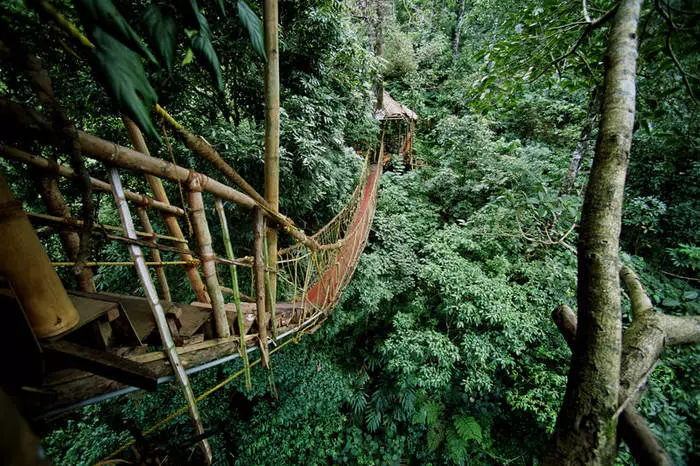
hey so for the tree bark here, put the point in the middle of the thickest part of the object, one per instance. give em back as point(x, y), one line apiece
point(632, 427)
point(583, 141)
point(56, 205)
point(379, 50)
point(585, 431)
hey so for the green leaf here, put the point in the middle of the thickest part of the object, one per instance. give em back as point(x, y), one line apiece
point(159, 22)
point(202, 46)
point(221, 7)
point(254, 26)
point(189, 56)
point(468, 428)
point(103, 14)
point(204, 51)
point(121, 72)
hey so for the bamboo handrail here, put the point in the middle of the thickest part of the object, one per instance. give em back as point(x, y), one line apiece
point(207, 256)
point(157, 308)
point(102, 226)
point(126, 263)
point(155, 253)
point(51, 166)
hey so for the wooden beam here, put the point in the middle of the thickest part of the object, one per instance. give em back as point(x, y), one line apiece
point(68, 354)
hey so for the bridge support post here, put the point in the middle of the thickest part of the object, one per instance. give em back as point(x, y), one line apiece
point(272, 138)
point(259, 273)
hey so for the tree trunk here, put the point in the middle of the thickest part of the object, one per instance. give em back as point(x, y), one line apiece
point(632, 428)
point(379, 51)
point(583, 141)
point(585, 431)
point(56, 206)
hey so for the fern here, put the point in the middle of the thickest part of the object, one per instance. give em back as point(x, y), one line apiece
point(468, 428)
point(435, 436)
point(456, 446)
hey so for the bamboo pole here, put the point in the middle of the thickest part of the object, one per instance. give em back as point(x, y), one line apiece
point(171, 223)
point(259, 274)
point(25, 263)
point(158, 312)
point(101, 227)
point(53, 167)
point(236, 292)
point(56, 205)
point(207, 256)
point(270, 300)
point(124, 157)
point(155, 254)
point(272, 139)
point(125, 263)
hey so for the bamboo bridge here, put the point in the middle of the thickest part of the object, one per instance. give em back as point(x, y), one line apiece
point(69, 348)
point(82, 346)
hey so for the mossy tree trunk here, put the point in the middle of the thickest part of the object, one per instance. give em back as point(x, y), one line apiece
point(586, 426)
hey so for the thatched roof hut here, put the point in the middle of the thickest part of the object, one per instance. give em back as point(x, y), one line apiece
point(394, 110)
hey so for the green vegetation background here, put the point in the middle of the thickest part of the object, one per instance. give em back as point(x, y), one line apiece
point(442, 350)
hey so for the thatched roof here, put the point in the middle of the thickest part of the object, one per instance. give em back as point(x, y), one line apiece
point(393, 110)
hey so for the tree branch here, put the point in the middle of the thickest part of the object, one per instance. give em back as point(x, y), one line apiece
point(632, 427)
point(590, 27)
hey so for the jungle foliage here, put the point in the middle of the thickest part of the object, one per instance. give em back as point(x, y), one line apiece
point(442, 350)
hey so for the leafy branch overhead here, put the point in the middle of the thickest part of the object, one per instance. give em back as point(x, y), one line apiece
point(116, 57)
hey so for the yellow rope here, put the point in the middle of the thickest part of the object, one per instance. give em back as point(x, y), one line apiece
point(296, 338)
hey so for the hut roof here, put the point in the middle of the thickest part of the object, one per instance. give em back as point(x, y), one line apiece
point(393, 110)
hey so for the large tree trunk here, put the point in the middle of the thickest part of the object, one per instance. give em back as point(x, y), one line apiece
point(585, 431)
point(632, 428)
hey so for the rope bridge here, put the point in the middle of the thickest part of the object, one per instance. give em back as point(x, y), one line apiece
point(311, 274)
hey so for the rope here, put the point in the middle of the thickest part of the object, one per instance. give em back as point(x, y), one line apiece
point(295, 339)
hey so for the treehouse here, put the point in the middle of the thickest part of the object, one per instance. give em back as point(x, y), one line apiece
point(398, 124)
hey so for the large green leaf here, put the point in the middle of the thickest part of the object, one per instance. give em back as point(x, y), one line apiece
point(202, 46)
point(103, 14)
point(159, 22)
point(254, 26)
point(121, 72)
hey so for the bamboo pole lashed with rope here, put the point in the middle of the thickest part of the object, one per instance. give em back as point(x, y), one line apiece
point(171, 223)
point(272, 142)
point(234, 289)
point(207, 256)
point(259, 280)
point(158, 312)
point(155, 254)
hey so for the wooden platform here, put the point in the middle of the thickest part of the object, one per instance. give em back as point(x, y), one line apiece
point(109, 348)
